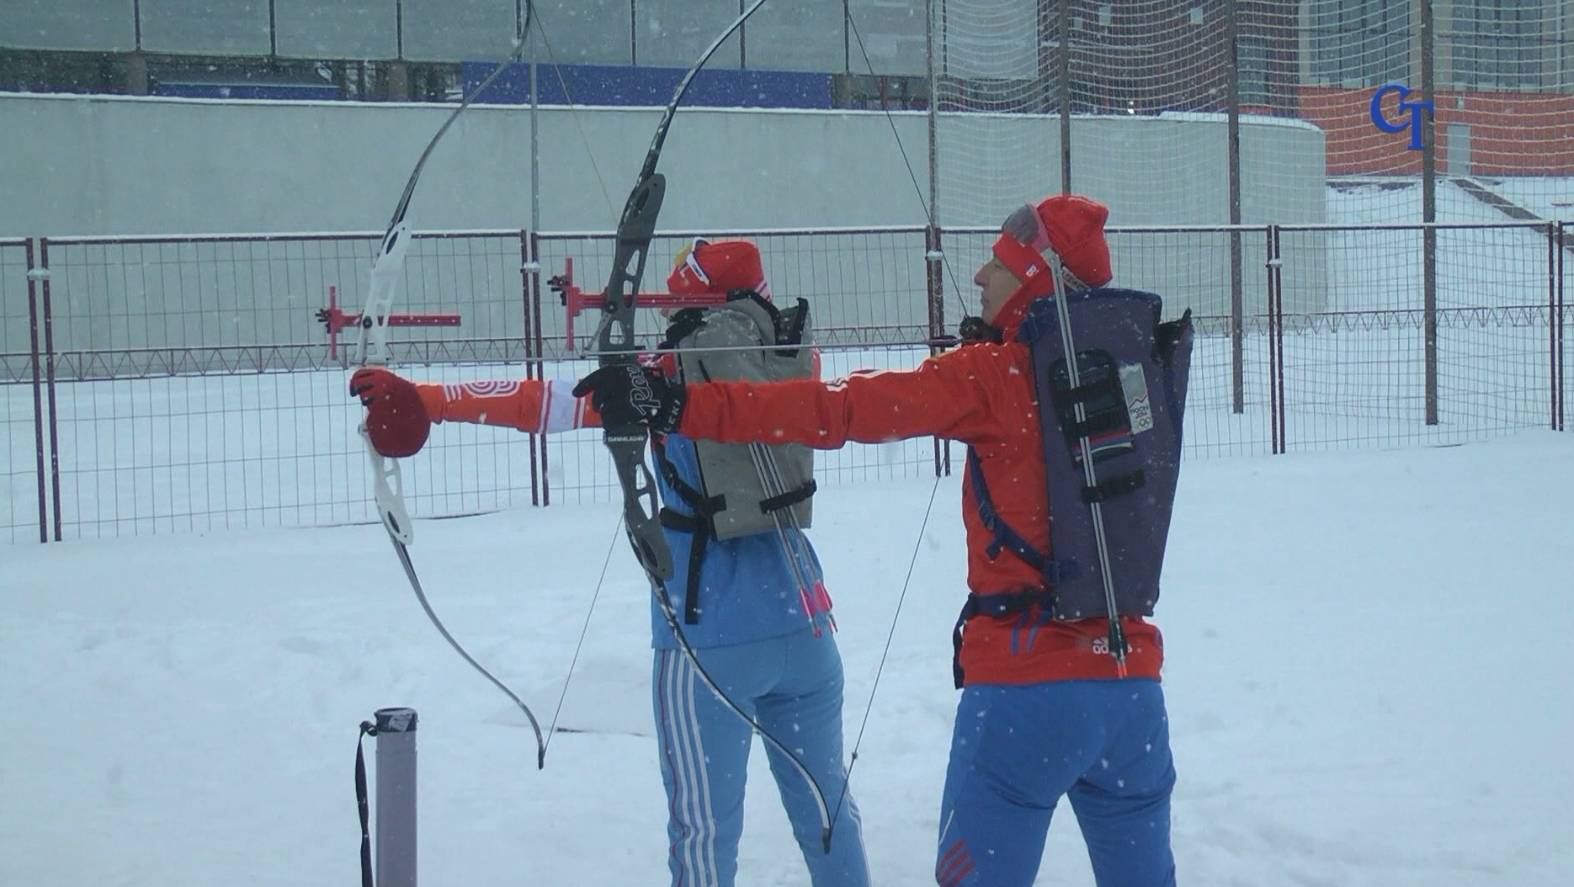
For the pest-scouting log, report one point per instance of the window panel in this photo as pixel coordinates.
(894, 34)
(673, 33)
(595, 32)
(206, 27)
(1359, 42)
(344, 29)
(1497, 44)
(805, 35)
(459, 30)
(69, 24)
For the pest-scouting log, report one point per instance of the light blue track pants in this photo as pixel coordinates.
(793, 686)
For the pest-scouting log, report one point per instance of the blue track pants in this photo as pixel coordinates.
(1017, 749)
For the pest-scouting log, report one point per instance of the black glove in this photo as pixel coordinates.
(629, 394)
(974, 329)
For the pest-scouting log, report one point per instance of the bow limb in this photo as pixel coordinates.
(615, 344)
(371, 348)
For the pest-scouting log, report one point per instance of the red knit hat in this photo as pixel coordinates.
(718, 266)
(1072, 225)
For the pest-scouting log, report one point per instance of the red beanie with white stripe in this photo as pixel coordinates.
(718, 266)
(1071, 225)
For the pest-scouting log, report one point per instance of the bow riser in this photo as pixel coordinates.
(616, 334)
(371, 346)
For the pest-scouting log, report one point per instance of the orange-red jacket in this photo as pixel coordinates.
(981, 394)
(534, 405)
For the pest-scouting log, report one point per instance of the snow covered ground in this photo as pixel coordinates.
(1367, 677)
(1550, 197)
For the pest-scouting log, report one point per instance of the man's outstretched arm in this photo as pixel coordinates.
(941, 397)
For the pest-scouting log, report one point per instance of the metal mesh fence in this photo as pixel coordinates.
(162, 305)
(865, 285)
(1364, 374)
(187, 384)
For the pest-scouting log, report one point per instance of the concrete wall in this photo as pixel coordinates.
(119, 166)
(94, 165)
(111, 165)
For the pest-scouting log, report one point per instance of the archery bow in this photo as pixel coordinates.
(615, 346)
(371, 348)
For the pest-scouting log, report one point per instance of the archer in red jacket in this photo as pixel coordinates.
(1046, 710)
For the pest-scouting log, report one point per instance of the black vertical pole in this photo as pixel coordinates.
(1276, 405)
(1552, 326)
(1278, 310)
(530, 256)
(1429, 214)
(539, 350)
(847, 45)
(1562, 309)
(933, 251)
(529, 267)
(38, 390)
(1063, 10)
(1237, 308)
(49, 384)
(1562, 295)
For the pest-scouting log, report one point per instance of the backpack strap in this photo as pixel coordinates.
(789, 498)
(1053, 571)
(701, 524)
(997, 606)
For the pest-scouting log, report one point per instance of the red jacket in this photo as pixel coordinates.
(980, 394)
(533, 405)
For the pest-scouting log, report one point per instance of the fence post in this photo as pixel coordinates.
(1554, 389)
(396, 797)
(934, 279)
(1278, 310)
(49, 380)
(934, 255)
(1562, 268)
(1237, 309)
(538, 350)
(529, 279)
(1429, 212)
(1063, 76)
(1275, 343)
(34, 275)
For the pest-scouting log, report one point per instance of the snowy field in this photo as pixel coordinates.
(1367, 678)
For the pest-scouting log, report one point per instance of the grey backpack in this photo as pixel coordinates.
(748, 482)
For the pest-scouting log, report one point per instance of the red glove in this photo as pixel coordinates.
(396, 419)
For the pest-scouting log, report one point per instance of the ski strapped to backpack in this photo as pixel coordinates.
(1126, 412)
(744, 489)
